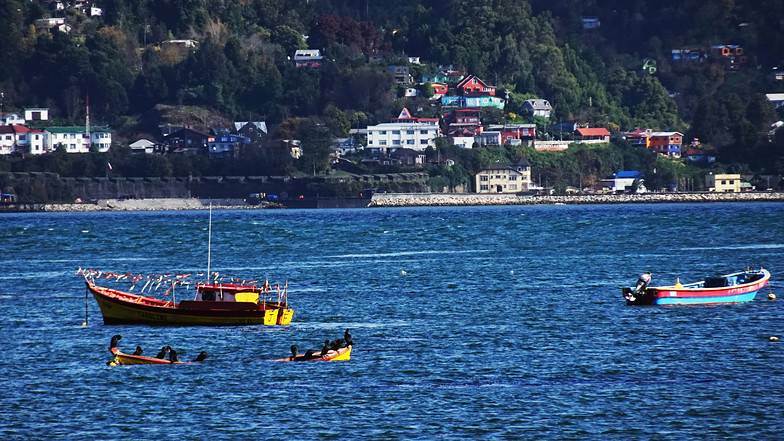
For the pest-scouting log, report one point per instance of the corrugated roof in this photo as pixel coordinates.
(595, 131)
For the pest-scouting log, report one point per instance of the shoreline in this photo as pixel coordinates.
(468, 199)
(382, 200)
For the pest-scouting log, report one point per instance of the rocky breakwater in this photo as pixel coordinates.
(462, 199)
(158, 204)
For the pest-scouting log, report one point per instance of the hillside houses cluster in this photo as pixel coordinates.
(19, 134)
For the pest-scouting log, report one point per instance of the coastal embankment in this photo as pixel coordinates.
(408, 200)
(459, 199)
(153, 204)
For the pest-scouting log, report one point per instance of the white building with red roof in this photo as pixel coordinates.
(405, 131)
(20, 139)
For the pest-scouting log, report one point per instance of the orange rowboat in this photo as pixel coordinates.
(121, 358)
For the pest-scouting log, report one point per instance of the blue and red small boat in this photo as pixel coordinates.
(737, 287)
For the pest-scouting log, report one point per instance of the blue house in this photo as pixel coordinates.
(226, 146)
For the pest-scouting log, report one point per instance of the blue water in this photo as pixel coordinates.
(469, 323)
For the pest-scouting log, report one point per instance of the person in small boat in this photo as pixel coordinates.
(172, 354)
(337, 344)
(113, 343)
(308, 355)
(642, 282)
(138, 350)
(347, 337)
(199, 358)
(293, 352)
(327, 347)
(162, 353)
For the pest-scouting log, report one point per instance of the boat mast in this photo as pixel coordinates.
(209, 244)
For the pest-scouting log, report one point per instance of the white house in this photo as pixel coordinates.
(623, 181)
(12, 119)
(36, 114)
(20, 139)
(74, 140)
(404, 132)
(538, 107)
(142, 146)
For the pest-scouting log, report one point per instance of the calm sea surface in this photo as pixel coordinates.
(469, 323)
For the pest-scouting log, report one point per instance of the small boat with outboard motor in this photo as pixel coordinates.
(737, 287)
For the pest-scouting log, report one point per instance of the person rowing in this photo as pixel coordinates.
(138, 350)
(325, 349)
(293, 352)
(172, 354)
(113, 343)
(347, 337)
(199, 358)
(162, 353)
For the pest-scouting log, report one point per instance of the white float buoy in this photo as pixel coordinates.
(774, 338)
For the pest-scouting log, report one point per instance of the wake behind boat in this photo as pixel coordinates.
(216, 304)
(738, 287)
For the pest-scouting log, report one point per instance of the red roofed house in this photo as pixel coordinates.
(473, 86)
(596, 135)
(16, 138)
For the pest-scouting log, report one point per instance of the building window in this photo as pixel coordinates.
(383, 132)
(409, 132)
(423, 132)
(396, 132)
(483, 187)
(512, 177)
(383, 142)
(396, 142)
(423, 141)
(410, 142)
(513, 186)
(483, 178)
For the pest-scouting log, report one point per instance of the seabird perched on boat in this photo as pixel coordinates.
(293, 352)
(138, 350)
(114, 341)
(347, 337)
(172, 354)
(162, 353)
(202, 355)
(325, 349)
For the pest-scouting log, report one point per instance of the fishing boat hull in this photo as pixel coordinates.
(738, 287)
(122, 359)
(339, 355)
(122, 308)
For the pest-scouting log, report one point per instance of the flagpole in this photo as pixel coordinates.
(209, 244)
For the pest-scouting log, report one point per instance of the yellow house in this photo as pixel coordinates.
(723, 183)
(504, 177)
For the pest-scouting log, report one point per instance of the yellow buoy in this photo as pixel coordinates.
(402, 271)
(772, 296)
(84, 323)
(774, 338)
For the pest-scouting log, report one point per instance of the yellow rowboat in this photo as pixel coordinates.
(214, 305)
(332, 355)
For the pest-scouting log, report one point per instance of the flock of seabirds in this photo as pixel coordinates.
(310, 354)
